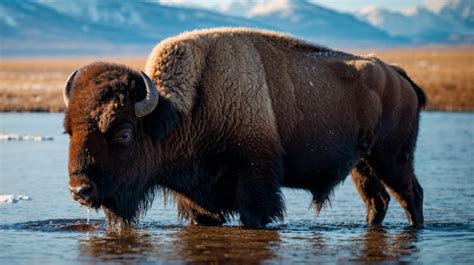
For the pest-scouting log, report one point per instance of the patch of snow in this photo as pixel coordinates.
(23, 137)
(10, 198)
(436, 6)
(236, 7)
(284, 7)
(373, 14)
(185, 3)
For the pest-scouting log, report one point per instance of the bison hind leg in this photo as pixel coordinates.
(372, 191)
(393, 164)
(401, 181)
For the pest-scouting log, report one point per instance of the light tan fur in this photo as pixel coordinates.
(292, 72)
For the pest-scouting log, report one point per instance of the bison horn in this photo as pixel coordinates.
(150, 102)
(68, 87)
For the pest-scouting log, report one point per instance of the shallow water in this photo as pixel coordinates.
(51, 227)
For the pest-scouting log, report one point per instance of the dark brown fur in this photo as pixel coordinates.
(241, 114)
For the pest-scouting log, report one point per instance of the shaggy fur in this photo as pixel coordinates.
(241, 114)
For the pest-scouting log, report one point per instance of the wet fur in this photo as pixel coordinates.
(241, 114)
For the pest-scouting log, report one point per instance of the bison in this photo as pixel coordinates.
(222, 119)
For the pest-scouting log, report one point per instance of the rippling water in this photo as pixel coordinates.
(51, 228)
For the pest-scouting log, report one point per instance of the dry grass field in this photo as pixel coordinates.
(446, 75)
(36, 84)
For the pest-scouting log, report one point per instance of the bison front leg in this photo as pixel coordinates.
(197, 218)
(258, 194)
(196, 215)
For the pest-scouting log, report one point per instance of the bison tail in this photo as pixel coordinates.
(422, 99)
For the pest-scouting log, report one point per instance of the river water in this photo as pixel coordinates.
(51, 228)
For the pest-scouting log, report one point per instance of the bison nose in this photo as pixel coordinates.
(81, 188)
(82, 191)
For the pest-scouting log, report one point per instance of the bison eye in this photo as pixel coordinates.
(124, 136)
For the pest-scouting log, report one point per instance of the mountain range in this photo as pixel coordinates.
(438, 21)
(113, 27)
(311, 21)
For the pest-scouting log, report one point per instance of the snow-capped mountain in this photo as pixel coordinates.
(33, 21)
(31, 28)
(462, 9)
(69, 27)
(93, 26)
(315, 22)
(303, 18)
(441, 21)
(152, 20)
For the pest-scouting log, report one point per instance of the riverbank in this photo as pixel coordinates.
(445, 74)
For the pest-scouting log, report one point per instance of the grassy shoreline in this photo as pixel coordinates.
(445, 74)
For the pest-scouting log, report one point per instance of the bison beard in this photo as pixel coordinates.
(224, 118)
(127, 205)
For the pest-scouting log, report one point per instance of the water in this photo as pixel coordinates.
(88, 215)
(51, 228)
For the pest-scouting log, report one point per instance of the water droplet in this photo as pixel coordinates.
(88, 214)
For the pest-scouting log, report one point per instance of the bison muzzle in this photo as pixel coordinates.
(222, 119)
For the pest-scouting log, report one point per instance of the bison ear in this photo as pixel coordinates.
(161, 122)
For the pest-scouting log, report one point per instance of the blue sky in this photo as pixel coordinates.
(341, 5)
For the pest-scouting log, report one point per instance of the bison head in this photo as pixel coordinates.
(115, 118)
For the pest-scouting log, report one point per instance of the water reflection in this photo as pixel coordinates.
(220, 245)
(128, 246)
(183, 245)
(302, 242)
(377, 244)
